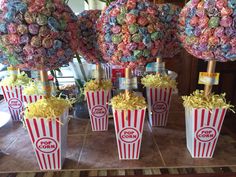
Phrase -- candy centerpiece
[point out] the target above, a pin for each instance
(129, 33)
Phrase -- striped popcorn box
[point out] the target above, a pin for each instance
(14, 98)
(107, 70)
(98, 109)
(158, 105)
(31, 98)
(49, 140)
(202, 130)
(129, 130)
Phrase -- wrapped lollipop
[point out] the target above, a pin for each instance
(41, 35)
(129, 33)
(207, 30)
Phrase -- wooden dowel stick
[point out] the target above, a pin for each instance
(99, 73)
(46, 84)
(13, 71)
(210, 69)
(158, 61)
(128, 75)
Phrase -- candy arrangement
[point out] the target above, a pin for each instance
(168, 14)
(130, 33)
(208, 29)
(38, 34)
(87, 43)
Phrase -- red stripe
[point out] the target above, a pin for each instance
(43, 127)
(36, 128)
(213, 147)
(137, 152)
(133, 150)
(8, 92)
(165, 94)
(25, 100)
(54, 160)
(129, 151)
(203, 113)
(221, 119)
(195, 147)
(59, 158)
(21, 95)
(12, 94)
(44, 161)
(216, 115)
(4, 93)
(36, 98)
(88, 99)
(30, 130)
(209, 118)
(99, 124)
(129, 118)
(141, 121)
(116, 119)
(203, 149)
(120, 151)
(58, 129)
(124, 147)
(108, 97)
(170, 93)
(96, 123)
(17, 96)
(208, 148)
(135, 118)
(123, 118)
(103, 98)
(49, 161)
(50, 127)
(39, 159)
(93, 98)
(199, 148)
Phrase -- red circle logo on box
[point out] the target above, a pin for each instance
(99, 111)
(46, 145)
(15, 103)
(129, 135)
(159, 107)
(206, 134)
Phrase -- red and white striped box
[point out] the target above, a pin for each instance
(32, 98)
(49, 140)
(107, 67)
(129, 130)
(158, 105)
(98, 109)
(202, 130)
(14, 98)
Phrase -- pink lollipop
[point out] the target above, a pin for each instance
(129, 33)
(87, 44)
(207, 29)
(38, 34)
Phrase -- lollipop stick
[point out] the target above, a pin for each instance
(81, 67)
(13, 72)
(46, 84)
(210, 69)
(128, 77)
(99, 73)
(158, 61)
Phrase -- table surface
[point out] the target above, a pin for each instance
(87, 150)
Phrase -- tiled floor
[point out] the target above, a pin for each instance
(161, 147)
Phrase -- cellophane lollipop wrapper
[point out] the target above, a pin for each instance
(159, 100)
(129, 131)
(14, 98)
(49, 140)
(202, 130)
(98, 109)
